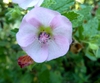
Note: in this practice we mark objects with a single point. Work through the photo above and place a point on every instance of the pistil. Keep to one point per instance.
(43, 37)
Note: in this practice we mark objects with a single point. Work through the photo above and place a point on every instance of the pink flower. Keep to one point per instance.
(28, 3)
(44, 34)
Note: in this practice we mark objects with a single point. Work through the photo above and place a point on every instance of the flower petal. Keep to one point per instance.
(28, 3)
(39, 2)
(18, 1)
(61, 25)
(43, 15)
(31, 21)
(26, 35)
(37, 52)
(58, 47)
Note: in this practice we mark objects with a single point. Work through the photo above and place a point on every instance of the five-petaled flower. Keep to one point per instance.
(28, 3)
(44, 34)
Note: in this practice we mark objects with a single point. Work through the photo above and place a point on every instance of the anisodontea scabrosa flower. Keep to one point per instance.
(44, 34)
(28, 3)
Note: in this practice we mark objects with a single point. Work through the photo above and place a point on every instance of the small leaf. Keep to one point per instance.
(93, 46)
(90, 55)
(98, 53)
(71, 15)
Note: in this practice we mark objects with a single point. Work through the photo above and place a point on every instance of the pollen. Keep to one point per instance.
(43, 37)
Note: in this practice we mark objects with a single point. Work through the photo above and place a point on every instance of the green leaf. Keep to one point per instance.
(48, 3)
(78, 22)
(80, 30)
(98, 53)
(62, 5)
(14, 14)
(44, 76)
(90, 28)
(14, 31)
(84, 15)
(3, 43)
(55, 77)
(98, 13)
(71, 15)
(90, 55)
(85, 12)
(93, 46)
(24, 77)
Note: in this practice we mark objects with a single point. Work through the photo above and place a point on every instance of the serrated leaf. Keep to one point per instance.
(71, 15)
(85, 12)
(90, 28)
(62, 5)
(77, 22)
(48, 3)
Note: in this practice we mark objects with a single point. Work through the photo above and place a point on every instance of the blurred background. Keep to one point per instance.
(80, 65)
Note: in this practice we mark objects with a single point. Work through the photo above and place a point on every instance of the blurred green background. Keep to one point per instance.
(80, 65)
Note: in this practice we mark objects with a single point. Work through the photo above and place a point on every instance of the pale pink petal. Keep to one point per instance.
(26, 35)
(35, 3)
(43, 15)
(60, 20)
(37, 52)
(28, 3)
(39, 2)
(18, 1)
(62, 26)
(58, 47)
(31, 21)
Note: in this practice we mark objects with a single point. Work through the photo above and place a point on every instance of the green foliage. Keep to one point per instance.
(48, 3)
(62, 5)
(71, 15)
(98, 13)
(90, 28)
(80, 67)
